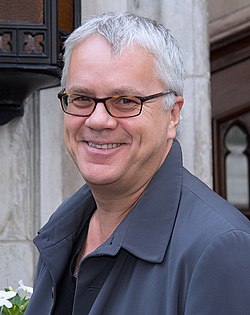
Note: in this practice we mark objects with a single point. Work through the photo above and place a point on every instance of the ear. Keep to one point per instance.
(175, 117)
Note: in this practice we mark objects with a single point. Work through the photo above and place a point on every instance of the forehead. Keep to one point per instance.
(98, 50)
(93, 61)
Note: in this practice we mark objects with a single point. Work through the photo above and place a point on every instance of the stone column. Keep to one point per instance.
(59, 177)
(19, 202)
(188, 22)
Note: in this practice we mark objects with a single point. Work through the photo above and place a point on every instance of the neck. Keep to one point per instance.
(114, 206)
(108, 215)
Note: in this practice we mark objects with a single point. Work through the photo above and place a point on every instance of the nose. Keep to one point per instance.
(100, 118)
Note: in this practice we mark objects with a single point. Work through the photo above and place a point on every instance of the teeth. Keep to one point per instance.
(104, 146)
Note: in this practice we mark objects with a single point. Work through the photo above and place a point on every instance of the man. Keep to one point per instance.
(144, 236)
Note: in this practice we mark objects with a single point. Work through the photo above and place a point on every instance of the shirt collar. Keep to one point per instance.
(55, 240)
(147, 229)
(152, 220)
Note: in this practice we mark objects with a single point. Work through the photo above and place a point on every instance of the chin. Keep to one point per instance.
(91, 181)
(100, 174)
(98, 177)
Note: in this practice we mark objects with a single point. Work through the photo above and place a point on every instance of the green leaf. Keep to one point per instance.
(16, 300)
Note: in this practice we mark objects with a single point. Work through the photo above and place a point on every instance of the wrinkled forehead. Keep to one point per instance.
(97, 49)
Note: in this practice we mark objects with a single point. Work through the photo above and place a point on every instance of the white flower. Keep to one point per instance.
(24, 291)
(4, 298)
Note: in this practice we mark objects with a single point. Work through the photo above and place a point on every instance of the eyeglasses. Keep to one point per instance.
(117, 106)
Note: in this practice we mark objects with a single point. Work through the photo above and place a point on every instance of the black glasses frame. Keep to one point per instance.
(62, 94)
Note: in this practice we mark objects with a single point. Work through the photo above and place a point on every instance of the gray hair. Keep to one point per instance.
(123, 30)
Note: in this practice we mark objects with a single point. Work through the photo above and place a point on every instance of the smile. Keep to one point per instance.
(104, 146)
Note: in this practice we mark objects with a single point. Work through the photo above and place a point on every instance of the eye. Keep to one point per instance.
(80, 100)
(125, 104)
(126, 101)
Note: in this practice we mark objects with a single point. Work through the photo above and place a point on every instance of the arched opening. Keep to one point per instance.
(237, 167)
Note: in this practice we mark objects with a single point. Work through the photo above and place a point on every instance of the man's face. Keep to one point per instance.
(121, 152)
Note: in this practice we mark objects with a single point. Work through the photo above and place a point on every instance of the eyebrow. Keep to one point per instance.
(79, 90)
(124, 90)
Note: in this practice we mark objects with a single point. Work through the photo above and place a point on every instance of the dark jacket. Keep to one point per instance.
(181, 250)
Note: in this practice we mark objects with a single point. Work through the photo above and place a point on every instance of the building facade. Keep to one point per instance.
(36, 173)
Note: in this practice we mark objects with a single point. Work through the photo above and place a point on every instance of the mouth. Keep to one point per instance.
(104, 146)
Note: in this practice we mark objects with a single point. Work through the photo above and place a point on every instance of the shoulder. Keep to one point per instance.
(209, 206)
(67, 220)
(205, 219)
(81, 199)
(220, 278)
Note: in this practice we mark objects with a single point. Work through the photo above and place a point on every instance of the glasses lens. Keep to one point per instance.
(77, 104)
(124, 106)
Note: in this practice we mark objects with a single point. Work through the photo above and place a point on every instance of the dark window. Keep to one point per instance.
(230, 82)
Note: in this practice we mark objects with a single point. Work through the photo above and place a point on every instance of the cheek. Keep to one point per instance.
(143, 136)
(159, 134)
(67, 130)
(146, 129)
(156, 125)
(70, 130)
(132, 127)
(68, 142)
(72, 125)
(66, 135)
